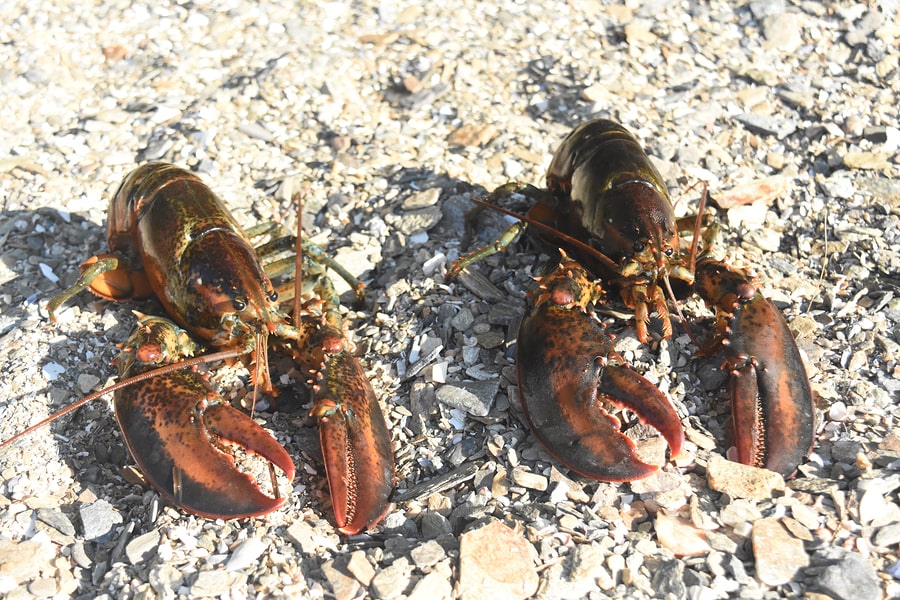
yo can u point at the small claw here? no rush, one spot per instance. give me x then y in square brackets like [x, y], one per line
[771, 401]
[356, 445]
[772, 408]
[566, 366]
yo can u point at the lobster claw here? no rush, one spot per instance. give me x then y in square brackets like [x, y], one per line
[771, 401]
[356, 445]
[168, 421]
[567, 369]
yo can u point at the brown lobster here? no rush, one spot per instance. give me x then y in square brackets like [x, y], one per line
[607, 205]
[170, 236]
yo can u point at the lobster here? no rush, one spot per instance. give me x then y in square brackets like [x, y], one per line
[606, 204]
[171, 237]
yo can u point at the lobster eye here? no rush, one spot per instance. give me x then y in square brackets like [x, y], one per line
[638, 247]
[239, 303]
[272, 296]
[670, 251]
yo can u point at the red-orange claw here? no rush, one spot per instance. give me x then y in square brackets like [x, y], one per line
[772, 409]
[771, 400]
[234, 426]
[171, 445]
[356, 445]
[567, 368]
[168, 420]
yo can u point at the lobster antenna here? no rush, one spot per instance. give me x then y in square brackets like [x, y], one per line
[607, 261]
[190, 362]
[695, 242]
[298, 268]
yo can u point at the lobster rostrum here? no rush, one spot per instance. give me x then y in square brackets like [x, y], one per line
[606, 204]
[170, 236]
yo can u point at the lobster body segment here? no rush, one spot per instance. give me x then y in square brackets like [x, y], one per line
[607, 205]
[611, 197]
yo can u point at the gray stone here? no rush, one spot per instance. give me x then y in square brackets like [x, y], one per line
[427, 554]
[246, 554]
[848, 576]
[99, 520]
[141, 548]
[767, 125]
[56, 519]
[474, 397]
[392, 581]
[887, 535]
[434, 525]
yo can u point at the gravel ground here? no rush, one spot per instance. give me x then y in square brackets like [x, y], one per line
[391, 117]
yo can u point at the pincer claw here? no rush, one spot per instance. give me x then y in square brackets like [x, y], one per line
[771, 401]
[168, 422]
[356, 445]
[568, 368]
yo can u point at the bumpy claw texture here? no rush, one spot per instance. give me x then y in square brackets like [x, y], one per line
[568, 368]
[169, 420]
[356, 445]
[771, 400]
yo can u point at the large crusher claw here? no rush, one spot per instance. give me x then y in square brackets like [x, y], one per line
[568, 368]
[170, 421]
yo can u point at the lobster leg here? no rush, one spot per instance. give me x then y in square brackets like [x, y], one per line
[107, 276]
[168, 421]
[568, 368]
[506, 238]
[771, 401]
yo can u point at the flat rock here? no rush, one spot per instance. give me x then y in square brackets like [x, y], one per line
[778, 554]
[742, 481]
[680, 536]
[459, 397]
[392, 581]
[99, 520]
[246, 554]
[216, 582]
[360, 568]
[434, 586]
[141, 548]
[343, 584]
[496, 562]
[848, 576]
[767, 125]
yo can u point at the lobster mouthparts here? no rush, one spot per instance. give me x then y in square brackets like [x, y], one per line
[567, 369]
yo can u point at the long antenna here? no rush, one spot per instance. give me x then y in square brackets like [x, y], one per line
[190, 362]
[607, 261]
[298, 269]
